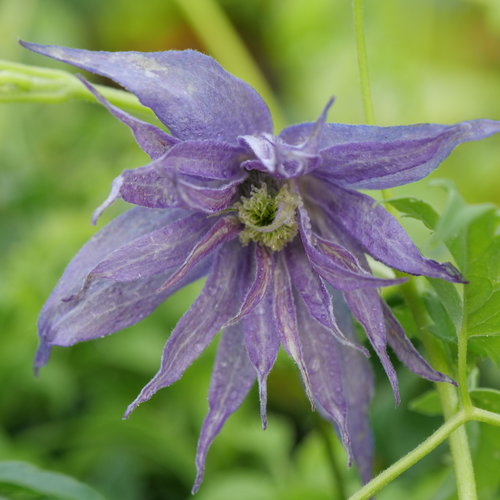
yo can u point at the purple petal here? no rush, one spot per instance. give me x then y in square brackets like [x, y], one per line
[366, 307]
[335, 263]
[152, 253]
[222, 231]
[322, 358]
[366, 157]
[378, 232]
[358, 387]
[285, 320]
[107, 306]
[151, 139]
[217, 303]
[406, 352]
[232, 378]
[313, 292]
[189, 92]
[262, 343]
[264, 267]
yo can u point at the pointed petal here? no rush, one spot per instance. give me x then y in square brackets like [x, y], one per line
[107, 306]
[262, 343]
[285, 320]
[264, 266]
[232, 378]
[189, 92]
[367, 157]
[313, 292]
[335, 263]
[154, 252]
[151, 139]
[407, 353]
[366, 307]
[323, 360]
[218, 301]
[358, 384]
[222, 231]
[378, 232]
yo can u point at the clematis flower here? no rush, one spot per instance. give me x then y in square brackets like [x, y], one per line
[275, 222]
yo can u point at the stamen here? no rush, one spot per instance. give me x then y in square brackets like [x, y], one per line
[269, 218]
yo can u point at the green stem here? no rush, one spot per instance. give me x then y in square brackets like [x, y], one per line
[488, 417]
[357, 6]
[459, 444]
[222, 40]
[20, 82]
[404, 463]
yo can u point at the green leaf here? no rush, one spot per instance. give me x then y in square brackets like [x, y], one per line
[450, 298]
[20, 478]
[442, 326]
[427, 404]
[482, 295]
[486, 347]
[488, 399]
[416, 209]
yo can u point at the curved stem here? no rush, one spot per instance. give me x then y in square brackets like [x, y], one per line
[485, 416]
[357, 6]
[411, 458]
[215, 30]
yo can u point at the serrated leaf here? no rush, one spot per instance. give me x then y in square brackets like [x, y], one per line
[416, 209]
[482, 295]
[22, 476]
[488, 399]
[427, 404]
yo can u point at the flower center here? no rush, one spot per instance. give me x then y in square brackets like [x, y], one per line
[269, 216]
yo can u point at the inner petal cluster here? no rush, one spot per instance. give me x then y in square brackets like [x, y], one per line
[269, 216]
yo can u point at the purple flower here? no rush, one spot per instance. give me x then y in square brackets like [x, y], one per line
[275, 223]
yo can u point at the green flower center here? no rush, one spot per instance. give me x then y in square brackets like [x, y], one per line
[269, 217]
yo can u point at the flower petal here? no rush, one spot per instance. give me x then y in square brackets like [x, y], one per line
[313, 292]
[367, 157]
[152, 253]
[378, 232]
[322, 358]
[366, 307]
[334, 263]
[358, 384]
[189, 92]
[262, 343]
[151, 139]
[107, 306]
[285, 320]
[264, 266]
[406, 352]
[222, 231]
[218, 302]
[232, 378]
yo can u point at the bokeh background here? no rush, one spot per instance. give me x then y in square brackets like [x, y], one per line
[430, 61]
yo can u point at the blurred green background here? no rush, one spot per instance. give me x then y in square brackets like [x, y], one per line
[430, 61]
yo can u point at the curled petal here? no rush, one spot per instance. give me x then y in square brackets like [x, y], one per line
[151, 139]
[232, 378]
[406, 352]
[322, 357]
[189, 92]
[335, 263]
[378, 232]
[285, 320]
[367, 157]
[262, 343]
[217, 303]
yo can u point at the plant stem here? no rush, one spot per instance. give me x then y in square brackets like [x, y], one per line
[357, 6]
[222, 40]
[459, 444]
[21, 82]
[488, 417]
[411, 458]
